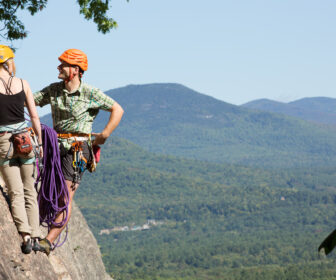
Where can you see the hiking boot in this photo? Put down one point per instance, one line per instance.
(27, 246)
(36, 245)
(43, 246)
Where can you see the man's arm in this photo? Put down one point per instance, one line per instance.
(42, 97)
(115, 117)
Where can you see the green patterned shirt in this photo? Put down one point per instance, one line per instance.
(73, 111)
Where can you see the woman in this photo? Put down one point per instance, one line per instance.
(17, 169)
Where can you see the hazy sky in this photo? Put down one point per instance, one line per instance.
(235, 51)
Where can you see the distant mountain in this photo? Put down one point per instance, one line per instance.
(315, 109)
(173, 119)
(322, 104)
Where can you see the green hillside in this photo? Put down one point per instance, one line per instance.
(174, 120)
(218, 221)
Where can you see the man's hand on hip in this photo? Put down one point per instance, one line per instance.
(100, 138)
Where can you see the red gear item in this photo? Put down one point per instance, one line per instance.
(96, 152)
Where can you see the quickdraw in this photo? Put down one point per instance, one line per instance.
(78, 165)
(36, 149)
(79, 161)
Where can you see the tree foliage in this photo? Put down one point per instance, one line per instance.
(219, 221)
(13, 28)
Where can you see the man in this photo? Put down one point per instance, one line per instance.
(74, 106)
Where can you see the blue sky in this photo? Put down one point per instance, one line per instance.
(235, 51)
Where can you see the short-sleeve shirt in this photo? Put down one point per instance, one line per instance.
(73, 111)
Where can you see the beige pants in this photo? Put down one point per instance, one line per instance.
(23, 197)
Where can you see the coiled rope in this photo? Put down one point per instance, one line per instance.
(53, 195)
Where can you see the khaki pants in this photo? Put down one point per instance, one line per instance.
(23, 197)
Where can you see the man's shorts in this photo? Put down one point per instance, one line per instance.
(67, 158)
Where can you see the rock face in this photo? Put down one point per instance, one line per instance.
(79, 258)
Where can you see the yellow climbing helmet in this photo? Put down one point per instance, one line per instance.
(5, 53)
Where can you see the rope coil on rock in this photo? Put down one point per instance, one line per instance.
(53, 195)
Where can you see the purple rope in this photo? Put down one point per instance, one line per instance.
(53, 196)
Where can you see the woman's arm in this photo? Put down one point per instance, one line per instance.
(35, 120)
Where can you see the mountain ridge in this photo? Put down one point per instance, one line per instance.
(173, 119)
(315, 109)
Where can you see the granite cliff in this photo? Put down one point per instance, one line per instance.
(79, 258)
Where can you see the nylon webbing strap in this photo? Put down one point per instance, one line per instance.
(70, 135)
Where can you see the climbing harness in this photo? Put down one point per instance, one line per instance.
(22, 142)
(74, 136)
(79, 161)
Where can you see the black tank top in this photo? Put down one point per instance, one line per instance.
(12, 107)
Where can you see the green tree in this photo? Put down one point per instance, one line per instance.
(13, 29)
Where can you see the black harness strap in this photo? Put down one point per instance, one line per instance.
(8, 85)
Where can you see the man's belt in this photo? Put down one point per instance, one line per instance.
(69, 135)
(76, 136)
